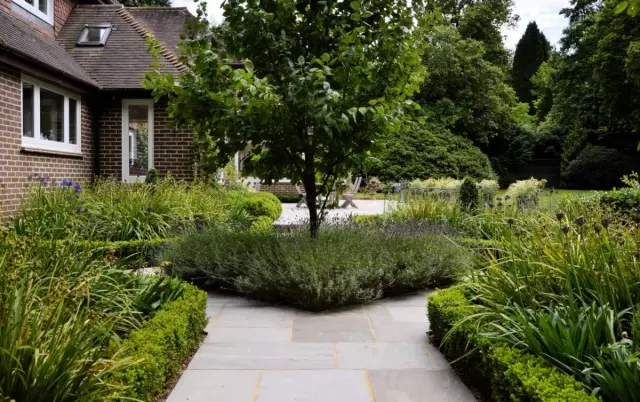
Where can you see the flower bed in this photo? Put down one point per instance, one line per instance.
(498, 371)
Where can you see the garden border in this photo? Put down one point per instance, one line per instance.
(495, 370)
(161, 346)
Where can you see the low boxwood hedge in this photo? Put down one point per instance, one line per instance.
(160, 347)
(497, 370)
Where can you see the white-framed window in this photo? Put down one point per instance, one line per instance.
(50, 118)
(42, 9)
(137, 138)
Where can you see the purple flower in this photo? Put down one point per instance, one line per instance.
(605, 222)
(560, 216)
(507, 197)
(500, 203)
(565, 229)
(77, 187)
(491, 205)
(511, 221)
(79, 210)
(579, 221)
(43, 182)
(597, 228)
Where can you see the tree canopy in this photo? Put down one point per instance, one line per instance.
(532, 50)
(320, 82)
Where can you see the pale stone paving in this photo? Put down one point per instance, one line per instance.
(260, 353)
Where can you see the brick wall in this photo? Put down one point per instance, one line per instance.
(16, 165)
(281, 188)
(172, 148)
(61, 11)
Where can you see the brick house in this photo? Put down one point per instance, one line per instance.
(71, 103)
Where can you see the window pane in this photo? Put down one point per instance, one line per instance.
(94, 34)
(51, 115)
(73, 120)
(27, 109)
(42, 5)
(138, 140)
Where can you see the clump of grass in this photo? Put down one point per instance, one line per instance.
(111, 211)
(346, 265)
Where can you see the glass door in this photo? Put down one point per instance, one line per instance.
(137, 138)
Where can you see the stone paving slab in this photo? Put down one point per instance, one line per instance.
(283, 356)
(418, 385)
(239, 334)
(254, 317)
(384, 356)
(332, 329)
(259, 353)
(215, 385)
(314, 386)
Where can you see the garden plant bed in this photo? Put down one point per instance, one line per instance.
(346, 265)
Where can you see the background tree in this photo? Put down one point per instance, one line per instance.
(532, 50)
(322, 81)
(425, 151)
(480, 20)
(596, 95)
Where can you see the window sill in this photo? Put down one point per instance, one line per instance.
(36, 150)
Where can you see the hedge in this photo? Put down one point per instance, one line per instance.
(162, 344)
(497, 370)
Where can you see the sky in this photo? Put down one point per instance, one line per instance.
(544, 12)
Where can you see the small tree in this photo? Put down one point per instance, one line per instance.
(469, 194)
(320, 82)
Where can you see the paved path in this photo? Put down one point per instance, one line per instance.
(292, 215)
(259, 353)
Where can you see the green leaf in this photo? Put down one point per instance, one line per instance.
(301, 60)
(355, 17)
(248, 65)
(326, 57)
(621, 7)
(355, 5)
(363, 110)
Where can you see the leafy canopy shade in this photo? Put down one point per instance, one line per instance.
(321, 81)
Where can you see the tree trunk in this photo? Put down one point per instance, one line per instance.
(312, 192)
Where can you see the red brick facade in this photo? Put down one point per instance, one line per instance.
(17, 165)
(281, 188)
(172, 148)
(61, 10)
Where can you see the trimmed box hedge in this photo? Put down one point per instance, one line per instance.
(497, 370)
(160, 347)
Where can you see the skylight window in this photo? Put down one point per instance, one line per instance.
(94, 35)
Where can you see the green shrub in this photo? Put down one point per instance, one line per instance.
(287, 199)
(262, 224)
(598, 168)
(261, 204)
(500, 372)
(346, 265)
(469, 194)
(133, 253)
(422, 152)
(162, 344)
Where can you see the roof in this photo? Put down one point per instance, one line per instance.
(123, 61)
(166, 23)
(22, 40)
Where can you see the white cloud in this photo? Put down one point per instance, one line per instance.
(545, 13)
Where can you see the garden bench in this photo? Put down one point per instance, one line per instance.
(349, 196)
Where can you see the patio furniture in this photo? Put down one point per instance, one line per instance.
(331, 198)
(302, 198)
(350, 195)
